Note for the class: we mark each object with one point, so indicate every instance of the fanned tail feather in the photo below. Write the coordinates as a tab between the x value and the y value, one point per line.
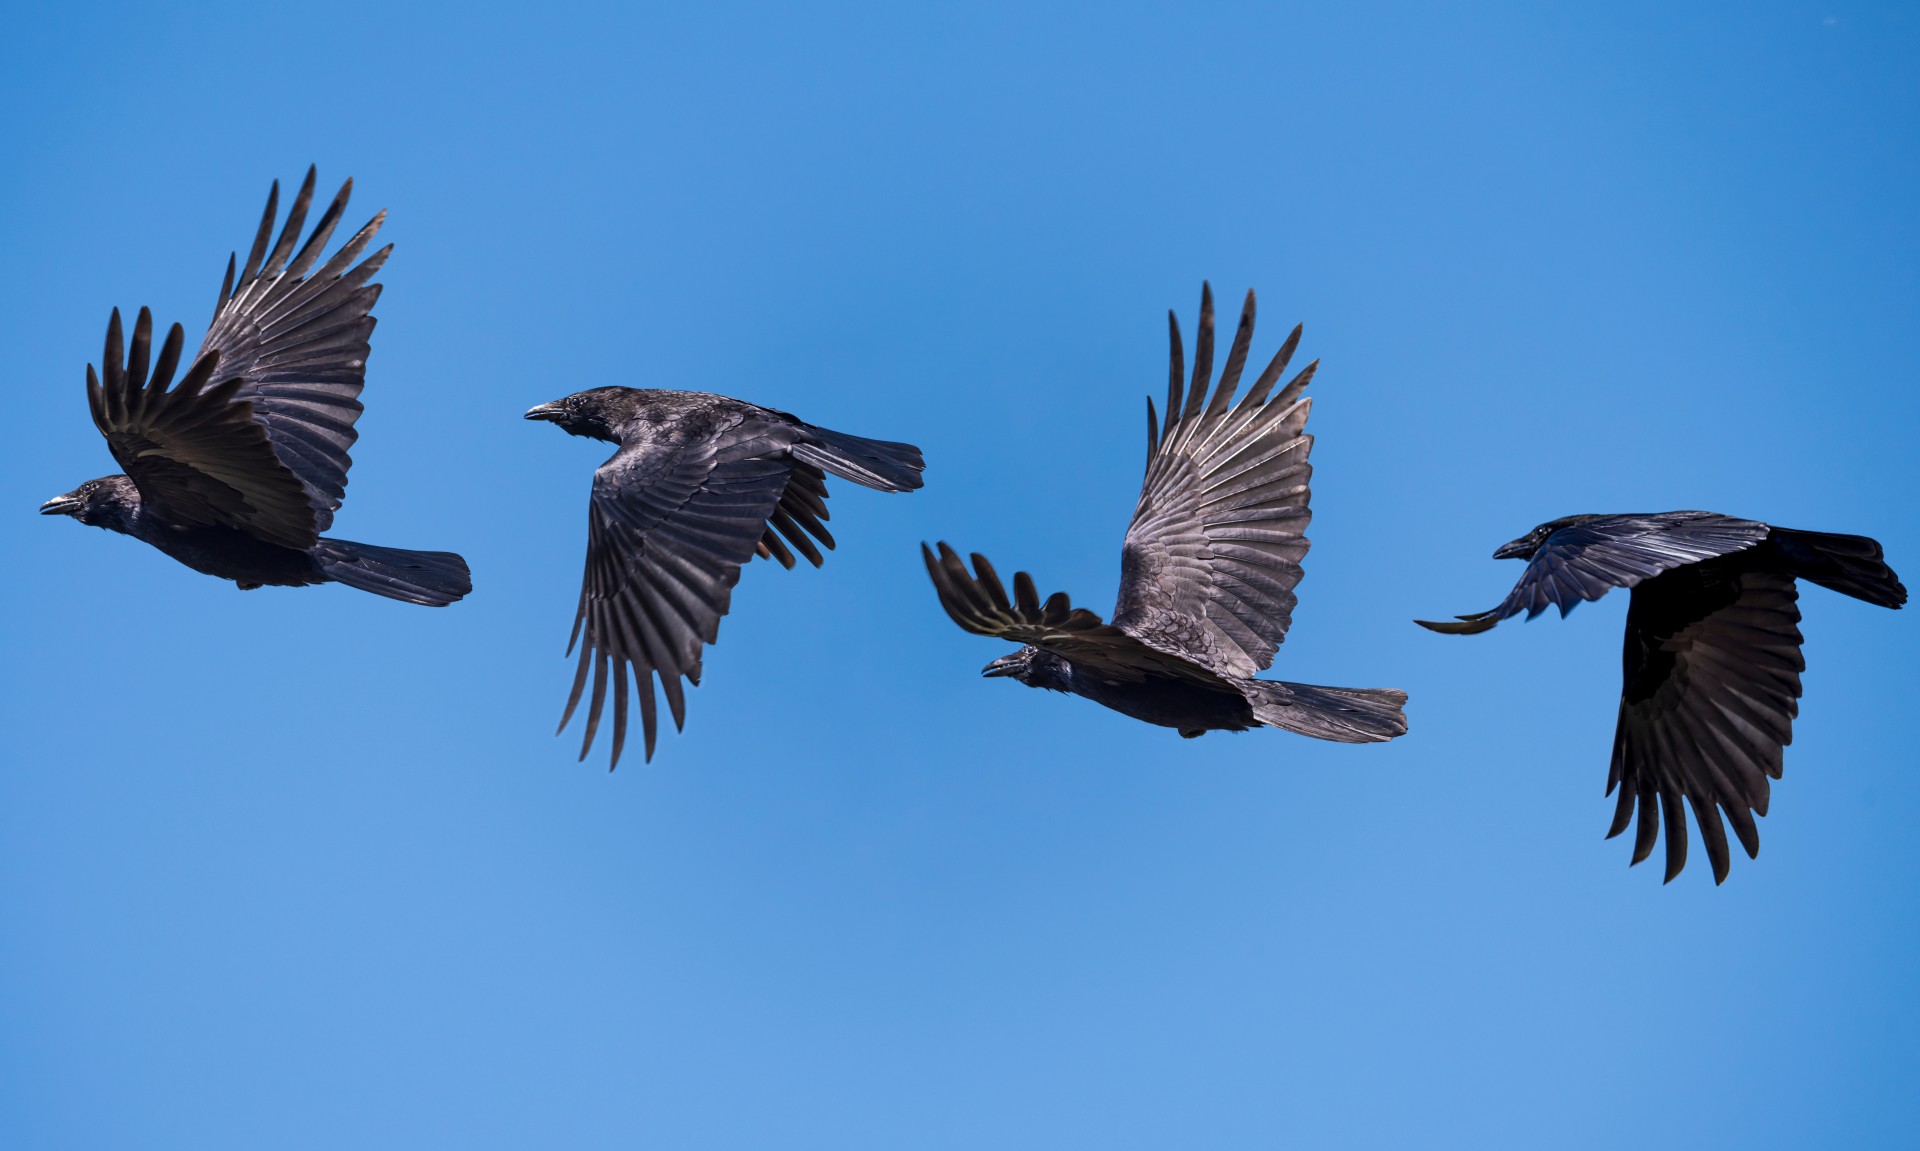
435	579
880	464
1340	714
1850	565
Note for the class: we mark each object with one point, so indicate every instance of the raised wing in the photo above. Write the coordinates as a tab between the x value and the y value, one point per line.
1584	561
979	604
298	343
196	452
670	525
1712	687
1213	553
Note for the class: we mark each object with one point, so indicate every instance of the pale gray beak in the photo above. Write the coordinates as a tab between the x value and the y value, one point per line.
1519	549
1005	665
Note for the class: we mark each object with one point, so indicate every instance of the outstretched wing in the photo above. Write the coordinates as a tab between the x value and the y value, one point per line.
1712	687
298	343
195	452
1585	561
1213	553
670	524
978	602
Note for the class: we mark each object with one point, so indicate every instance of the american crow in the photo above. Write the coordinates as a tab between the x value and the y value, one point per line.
701	484
237	470
1206	572
1712	654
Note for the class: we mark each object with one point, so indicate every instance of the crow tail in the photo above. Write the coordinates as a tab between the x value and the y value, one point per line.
1850	565
1341	714
435	579
882	464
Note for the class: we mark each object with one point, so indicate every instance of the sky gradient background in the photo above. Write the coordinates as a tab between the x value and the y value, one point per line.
308	869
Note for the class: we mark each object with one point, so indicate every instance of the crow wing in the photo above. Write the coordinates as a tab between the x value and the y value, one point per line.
1712	686
1213	553
298	343
195	452
979	604
1585	561
670	524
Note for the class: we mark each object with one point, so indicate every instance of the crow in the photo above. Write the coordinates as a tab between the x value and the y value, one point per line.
1712	659
700	485
239	467
1207	571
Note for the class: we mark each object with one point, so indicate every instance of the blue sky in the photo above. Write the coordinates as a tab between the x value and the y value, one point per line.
309	869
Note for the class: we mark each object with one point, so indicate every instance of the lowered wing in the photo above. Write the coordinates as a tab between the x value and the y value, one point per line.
1711	689
670	525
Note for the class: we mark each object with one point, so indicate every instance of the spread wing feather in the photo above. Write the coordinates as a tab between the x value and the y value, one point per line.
195	452
1584	561
979	603
299	342
1712	686
670	525
1213	553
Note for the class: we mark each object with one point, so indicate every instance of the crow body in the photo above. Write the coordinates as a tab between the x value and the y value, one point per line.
1208	569
237	469
1712	657
700	485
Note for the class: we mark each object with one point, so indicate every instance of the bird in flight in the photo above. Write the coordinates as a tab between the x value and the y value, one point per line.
1713	661
1207	570
237	469
700	485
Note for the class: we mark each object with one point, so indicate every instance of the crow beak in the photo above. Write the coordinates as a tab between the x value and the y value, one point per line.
62	505
554	412
1519	549
1005	665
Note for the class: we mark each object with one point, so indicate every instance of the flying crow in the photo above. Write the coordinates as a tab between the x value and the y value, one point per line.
1712	654
1206	572
237	469
700	485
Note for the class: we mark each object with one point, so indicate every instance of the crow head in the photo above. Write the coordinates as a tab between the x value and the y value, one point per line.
597	413
1031	666
107	502
1524	547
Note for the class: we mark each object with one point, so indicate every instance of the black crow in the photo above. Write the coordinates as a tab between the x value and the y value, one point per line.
1206	572
237	470
1712	654
701	484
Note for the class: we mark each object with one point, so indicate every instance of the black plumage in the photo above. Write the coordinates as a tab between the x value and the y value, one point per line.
1712	659
237	469
699	486
1208	570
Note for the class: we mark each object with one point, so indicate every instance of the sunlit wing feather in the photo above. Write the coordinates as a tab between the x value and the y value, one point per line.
1585	561
1213	553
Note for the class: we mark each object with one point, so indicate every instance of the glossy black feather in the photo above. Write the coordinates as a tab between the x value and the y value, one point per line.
700	485
236	470
1208	568
1711	660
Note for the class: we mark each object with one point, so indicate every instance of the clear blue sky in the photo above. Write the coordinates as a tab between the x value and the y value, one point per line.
308	869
